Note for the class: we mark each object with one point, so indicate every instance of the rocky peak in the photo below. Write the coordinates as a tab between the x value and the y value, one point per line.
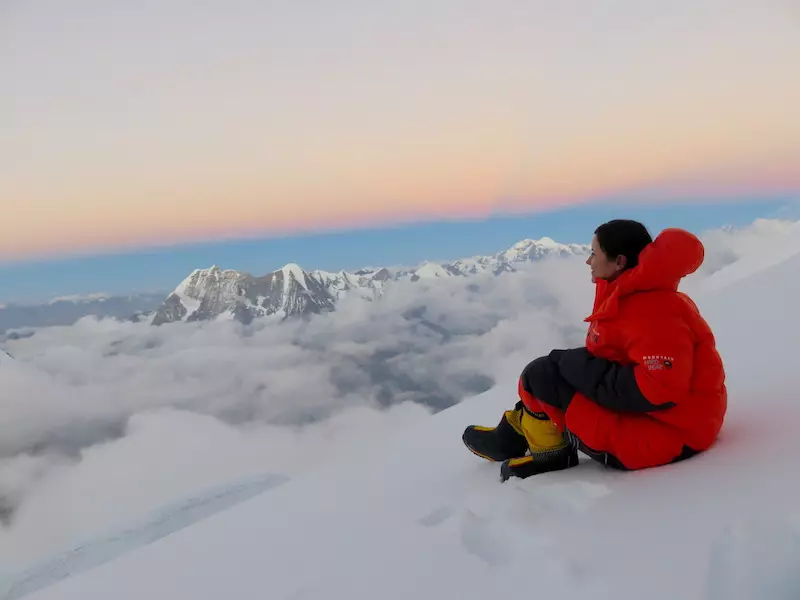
290	290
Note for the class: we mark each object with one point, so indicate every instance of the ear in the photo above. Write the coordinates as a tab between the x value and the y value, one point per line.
621	261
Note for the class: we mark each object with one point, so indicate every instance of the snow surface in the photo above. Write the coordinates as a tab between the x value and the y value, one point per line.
293	270
164	522
419	516
183	291
430	270
762	255
190	282
541	247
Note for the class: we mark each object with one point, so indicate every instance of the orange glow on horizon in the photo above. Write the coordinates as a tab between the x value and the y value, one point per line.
375	120
177	225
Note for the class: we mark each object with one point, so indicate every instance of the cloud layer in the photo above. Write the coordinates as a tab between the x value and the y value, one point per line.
103	421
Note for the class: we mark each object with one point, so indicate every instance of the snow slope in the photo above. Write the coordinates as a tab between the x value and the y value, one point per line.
422	517
785	244
168	520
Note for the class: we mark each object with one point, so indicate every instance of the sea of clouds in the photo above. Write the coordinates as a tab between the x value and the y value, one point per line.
104	421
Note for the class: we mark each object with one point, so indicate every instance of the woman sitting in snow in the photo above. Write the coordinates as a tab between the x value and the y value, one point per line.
648	389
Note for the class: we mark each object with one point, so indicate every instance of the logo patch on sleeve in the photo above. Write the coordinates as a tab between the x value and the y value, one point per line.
657	362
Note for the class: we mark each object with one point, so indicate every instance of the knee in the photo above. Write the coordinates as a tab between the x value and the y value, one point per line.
541	379
535	373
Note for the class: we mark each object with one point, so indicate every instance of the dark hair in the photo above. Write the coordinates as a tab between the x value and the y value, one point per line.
623	237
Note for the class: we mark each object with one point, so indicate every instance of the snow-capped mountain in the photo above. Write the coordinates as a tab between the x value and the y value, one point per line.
215	293
210	293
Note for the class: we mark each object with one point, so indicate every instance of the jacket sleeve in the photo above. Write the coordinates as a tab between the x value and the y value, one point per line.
658	374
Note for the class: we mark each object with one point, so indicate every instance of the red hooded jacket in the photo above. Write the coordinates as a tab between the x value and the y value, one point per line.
649	386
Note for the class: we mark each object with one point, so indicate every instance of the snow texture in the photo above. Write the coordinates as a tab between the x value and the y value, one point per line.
168	520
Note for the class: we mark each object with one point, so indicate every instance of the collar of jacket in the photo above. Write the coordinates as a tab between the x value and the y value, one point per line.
674	254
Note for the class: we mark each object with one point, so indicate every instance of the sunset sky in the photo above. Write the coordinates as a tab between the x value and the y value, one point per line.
131	125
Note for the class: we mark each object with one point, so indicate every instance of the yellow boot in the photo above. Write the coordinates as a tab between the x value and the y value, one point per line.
550	449
499	443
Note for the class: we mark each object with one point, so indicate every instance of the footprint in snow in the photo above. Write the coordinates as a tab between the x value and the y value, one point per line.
487	539
484	531
493	539
498	524
500	542
437	516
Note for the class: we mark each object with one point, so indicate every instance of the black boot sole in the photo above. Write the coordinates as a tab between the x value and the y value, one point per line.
538	468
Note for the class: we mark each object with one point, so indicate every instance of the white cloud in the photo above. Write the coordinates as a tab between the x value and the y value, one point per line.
726	246
735	253
103	421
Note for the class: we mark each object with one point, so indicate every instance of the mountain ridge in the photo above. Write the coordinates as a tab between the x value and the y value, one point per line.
67	310
213	293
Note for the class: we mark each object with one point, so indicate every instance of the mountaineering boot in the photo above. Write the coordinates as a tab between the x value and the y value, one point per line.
534	464
500	443
550	449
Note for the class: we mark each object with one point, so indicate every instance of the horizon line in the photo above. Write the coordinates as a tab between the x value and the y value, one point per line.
392	222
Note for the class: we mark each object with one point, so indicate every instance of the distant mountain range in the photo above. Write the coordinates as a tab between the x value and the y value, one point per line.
215	293
68	310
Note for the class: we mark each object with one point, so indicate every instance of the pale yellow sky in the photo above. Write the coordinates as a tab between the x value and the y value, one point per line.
154	121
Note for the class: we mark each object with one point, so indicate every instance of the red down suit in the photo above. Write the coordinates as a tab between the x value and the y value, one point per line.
648	388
